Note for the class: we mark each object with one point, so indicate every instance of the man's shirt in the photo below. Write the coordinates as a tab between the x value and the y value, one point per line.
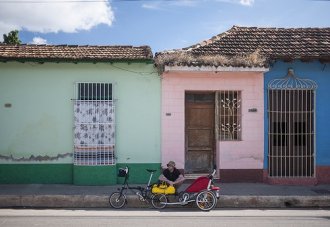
172	176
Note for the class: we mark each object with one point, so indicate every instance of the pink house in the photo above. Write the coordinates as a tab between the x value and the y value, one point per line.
212	113
251	101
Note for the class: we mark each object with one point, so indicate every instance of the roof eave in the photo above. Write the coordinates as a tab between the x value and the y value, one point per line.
322	59
216	68
73	60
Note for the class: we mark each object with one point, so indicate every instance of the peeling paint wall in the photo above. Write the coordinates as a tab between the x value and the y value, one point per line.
36	110
35	158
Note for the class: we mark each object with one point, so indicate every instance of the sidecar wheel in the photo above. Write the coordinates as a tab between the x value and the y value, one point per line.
206	200
159	201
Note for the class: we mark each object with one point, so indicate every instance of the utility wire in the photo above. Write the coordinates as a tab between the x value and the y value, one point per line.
132	71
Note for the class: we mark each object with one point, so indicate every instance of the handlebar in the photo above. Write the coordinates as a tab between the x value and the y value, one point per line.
211	176
126	169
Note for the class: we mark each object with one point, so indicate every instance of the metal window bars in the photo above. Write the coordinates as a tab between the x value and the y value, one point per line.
94	124
228	107
291	127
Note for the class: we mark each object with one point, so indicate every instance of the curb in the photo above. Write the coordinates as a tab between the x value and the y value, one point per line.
101	201
273	201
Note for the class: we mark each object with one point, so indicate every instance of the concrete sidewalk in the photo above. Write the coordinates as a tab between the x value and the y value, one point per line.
232	195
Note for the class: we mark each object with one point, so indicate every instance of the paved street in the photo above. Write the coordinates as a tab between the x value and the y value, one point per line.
167	217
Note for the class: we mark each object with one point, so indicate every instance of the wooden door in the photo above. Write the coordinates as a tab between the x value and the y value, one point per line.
200	115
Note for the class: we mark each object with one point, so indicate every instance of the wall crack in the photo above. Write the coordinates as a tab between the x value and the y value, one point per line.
36	158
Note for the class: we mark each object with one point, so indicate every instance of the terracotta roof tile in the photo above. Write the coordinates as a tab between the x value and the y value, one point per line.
74	52
271	43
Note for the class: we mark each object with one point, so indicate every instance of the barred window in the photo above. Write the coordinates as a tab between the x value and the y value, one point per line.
291	132
94	124
94	91
291	126
229	112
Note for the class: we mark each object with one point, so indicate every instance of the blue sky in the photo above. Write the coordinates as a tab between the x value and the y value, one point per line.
162	25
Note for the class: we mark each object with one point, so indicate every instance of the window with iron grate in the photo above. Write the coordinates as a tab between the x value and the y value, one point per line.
94	124
229	113
291	132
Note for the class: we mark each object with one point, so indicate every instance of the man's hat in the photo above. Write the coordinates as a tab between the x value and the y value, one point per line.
171	163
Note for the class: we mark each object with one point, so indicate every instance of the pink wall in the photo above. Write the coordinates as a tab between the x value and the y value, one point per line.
245	154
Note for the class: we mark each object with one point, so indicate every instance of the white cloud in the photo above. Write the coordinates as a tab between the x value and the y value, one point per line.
246	2
153	6
54	16
38	40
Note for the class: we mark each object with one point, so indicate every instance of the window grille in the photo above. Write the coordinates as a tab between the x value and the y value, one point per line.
291	127
229	115
94	124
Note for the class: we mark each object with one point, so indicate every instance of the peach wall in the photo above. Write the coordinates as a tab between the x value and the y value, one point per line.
245	154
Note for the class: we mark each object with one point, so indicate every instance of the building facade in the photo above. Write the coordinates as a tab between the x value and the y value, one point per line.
249	100
252	101
296	144
75	114
214	118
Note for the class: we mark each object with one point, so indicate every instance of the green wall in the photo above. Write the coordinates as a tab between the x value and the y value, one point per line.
78	175
138	173
37	128
107	175
36	173
94	175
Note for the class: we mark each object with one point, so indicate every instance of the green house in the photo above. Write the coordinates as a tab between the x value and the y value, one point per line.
75	114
